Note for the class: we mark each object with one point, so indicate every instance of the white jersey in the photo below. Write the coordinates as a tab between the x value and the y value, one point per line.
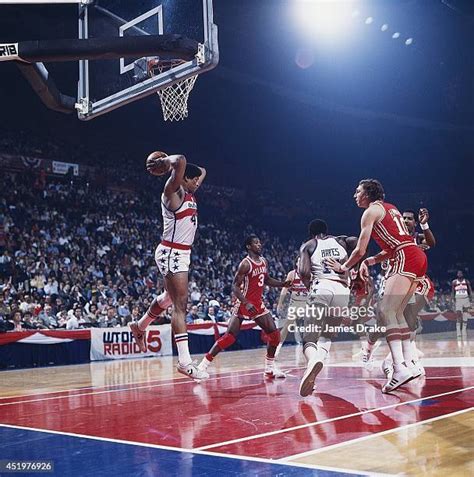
179	227
460	288
328	247
298	292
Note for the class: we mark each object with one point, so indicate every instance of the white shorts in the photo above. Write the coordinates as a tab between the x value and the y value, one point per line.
329	293
462	303
172	260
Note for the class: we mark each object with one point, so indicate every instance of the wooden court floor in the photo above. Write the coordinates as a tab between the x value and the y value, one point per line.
347	427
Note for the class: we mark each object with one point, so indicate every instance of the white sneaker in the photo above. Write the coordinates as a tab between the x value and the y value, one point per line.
307	383
367	355
420	367
399	378
414	369
387	368
274	373
192	371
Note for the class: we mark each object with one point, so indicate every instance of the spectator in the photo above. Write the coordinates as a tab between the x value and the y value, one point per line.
192	316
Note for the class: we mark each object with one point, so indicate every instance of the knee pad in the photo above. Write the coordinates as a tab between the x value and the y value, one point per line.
225	341
274	338
164	300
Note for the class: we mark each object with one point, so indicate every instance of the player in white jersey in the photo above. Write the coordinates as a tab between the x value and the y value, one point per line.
298	296
328	295
461	292
179	210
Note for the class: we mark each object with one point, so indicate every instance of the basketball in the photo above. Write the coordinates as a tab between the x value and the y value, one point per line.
155	164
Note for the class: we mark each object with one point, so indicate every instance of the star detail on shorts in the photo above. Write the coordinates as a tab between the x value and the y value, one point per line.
163	260
176	253
175	267
163	252
176	259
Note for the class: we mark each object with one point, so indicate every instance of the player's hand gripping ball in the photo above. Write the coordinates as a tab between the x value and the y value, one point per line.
157	163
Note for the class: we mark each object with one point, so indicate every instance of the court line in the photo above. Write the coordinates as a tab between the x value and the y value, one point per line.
325	421
169	381
377	434
94	393
198	452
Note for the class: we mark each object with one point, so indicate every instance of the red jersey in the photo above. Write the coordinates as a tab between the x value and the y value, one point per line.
252	288
390	231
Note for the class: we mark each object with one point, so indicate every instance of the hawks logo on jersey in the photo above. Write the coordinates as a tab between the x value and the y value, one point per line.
252	288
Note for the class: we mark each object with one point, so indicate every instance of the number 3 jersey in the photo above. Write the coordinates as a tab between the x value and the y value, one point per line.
326	248
252	288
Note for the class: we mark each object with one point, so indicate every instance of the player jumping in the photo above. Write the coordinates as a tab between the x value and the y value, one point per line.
173	254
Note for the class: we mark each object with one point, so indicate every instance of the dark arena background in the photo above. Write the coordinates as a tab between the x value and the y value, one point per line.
295	102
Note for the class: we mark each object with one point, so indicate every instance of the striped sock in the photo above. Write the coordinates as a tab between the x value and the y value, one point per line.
184	357
146	319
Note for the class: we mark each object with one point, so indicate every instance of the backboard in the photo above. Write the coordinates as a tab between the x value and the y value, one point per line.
105	85
116	42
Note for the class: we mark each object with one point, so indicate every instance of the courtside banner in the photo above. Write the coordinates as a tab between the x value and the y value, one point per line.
118	343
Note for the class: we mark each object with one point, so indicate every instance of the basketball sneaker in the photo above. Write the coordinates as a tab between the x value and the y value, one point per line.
192	371
417	369
387	368
139	336
312	370
399	378
274	372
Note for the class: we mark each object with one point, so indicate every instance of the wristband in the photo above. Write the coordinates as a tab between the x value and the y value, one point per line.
344	268
424	226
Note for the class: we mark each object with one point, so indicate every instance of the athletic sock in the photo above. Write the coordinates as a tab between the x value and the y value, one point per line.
324	345
269	362
206	361
310	350
184	358
146	319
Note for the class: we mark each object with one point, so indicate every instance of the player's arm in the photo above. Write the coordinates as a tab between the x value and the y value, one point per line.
453	290
364	266
202	176
469	289
177	164
304	264
284	292
273	282
242	271
369	217
429	238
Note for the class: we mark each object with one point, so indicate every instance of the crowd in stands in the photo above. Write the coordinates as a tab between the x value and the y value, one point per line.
74	253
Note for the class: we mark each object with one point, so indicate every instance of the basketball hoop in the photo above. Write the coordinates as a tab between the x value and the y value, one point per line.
174	98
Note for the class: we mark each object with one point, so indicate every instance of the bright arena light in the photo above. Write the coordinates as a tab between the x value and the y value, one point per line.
384	27
409	41
369	20
323	20
396	35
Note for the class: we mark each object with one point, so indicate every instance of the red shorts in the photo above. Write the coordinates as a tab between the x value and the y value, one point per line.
426	288
241	310
409	261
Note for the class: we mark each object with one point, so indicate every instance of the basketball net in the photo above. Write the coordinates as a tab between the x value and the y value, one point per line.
174	98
